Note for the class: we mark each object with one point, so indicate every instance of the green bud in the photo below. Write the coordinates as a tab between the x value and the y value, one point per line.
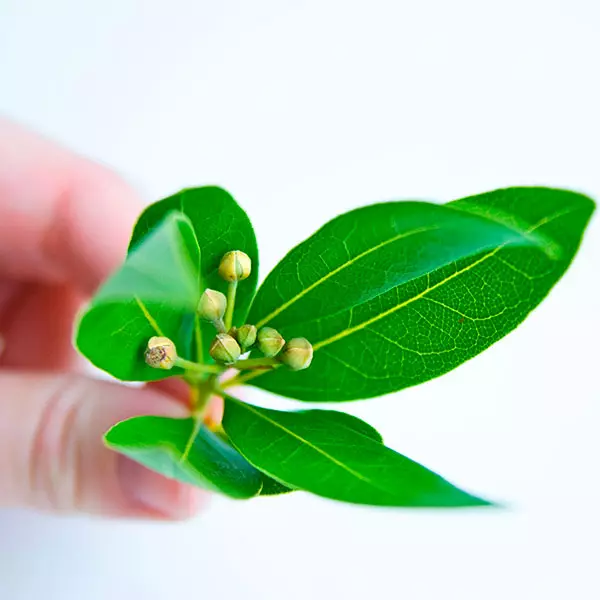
246	336
160	353
270	341
225	349
212	305
297	354
235	266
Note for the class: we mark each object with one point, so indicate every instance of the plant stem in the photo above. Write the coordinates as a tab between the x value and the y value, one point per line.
256	363
231	292
242	378
229	396
194	395
219	325
205	390
200	400
198	337
189	365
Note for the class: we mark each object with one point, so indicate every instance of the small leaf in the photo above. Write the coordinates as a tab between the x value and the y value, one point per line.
155	292
395	294
160	443
319	452
220	225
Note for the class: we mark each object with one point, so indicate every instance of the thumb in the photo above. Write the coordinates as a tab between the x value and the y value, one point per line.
52	456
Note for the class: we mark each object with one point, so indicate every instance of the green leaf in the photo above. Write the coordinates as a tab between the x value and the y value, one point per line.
163	445
155	292
220	225
395	294
272	487
329	454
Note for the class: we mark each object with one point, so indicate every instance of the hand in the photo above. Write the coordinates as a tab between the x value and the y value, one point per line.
64	225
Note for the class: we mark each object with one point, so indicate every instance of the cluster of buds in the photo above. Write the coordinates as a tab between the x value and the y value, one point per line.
228	345
296	354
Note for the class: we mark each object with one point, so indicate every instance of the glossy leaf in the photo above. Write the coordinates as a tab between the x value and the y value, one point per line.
160	443
155	292
272	487
220	225
327	453
395	294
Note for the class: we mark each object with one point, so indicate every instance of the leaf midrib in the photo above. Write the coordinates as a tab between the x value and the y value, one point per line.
315	448
151	320
405	234
349	331
343	266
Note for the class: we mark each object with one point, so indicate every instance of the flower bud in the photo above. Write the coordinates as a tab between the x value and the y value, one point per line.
246	336
297	354
225	349
160	353
212	305
235	266
270	341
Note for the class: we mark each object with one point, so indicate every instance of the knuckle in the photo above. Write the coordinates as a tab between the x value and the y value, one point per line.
54	455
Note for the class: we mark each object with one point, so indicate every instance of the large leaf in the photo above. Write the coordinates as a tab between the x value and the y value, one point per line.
395	294
163	445
220	225
155	292
331	454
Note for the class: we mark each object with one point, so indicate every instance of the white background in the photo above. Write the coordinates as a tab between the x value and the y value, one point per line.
303	110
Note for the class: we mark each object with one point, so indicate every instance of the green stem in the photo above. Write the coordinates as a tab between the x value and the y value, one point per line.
189	365
256	363
200	394
205	390
194	394
219	325
227	396
199	342
231	292
242	378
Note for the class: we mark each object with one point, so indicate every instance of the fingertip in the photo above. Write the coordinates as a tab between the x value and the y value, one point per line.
63	218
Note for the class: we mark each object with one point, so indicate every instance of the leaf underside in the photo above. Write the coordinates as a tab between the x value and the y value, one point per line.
160	443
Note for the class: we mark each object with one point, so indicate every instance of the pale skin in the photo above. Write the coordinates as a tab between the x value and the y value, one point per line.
64	226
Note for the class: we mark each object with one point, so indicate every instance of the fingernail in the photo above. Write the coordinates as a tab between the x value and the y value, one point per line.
150	492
